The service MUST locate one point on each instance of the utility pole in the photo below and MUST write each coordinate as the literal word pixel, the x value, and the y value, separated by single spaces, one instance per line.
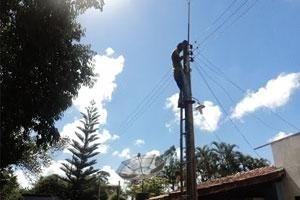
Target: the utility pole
pixel 191 188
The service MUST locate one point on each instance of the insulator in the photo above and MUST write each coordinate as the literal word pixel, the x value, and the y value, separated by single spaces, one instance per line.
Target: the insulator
pixel 191 46
pixel 192 59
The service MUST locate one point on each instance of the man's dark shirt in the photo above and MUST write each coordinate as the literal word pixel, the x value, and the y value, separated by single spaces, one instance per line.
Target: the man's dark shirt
pixel 176 59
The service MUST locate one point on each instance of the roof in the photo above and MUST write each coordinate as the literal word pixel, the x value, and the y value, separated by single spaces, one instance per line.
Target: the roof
pixel 242 179
pixel 252 177
pixel 274 141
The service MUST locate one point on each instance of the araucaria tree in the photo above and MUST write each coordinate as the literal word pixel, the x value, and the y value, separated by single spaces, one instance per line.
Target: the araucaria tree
pixel 80 173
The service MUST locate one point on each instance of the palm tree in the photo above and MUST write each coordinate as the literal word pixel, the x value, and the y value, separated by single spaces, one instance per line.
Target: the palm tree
pixel 249 163
pixel 206 163
pixel 228 159
pixel 223 160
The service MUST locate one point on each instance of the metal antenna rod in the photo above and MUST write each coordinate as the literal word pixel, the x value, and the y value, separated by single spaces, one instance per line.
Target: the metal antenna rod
pixel 189 19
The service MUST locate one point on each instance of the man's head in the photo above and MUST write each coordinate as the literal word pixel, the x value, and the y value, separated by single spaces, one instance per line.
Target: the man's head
pixel 182 45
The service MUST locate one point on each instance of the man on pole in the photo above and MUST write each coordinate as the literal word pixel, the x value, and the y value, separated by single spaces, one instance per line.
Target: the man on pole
pixel 178 71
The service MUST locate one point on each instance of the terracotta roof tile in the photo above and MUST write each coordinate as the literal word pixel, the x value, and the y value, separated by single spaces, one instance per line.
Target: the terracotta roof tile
pixel 252 174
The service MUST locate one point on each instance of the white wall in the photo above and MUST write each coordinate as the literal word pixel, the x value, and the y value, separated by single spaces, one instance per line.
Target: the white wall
pixel 286 153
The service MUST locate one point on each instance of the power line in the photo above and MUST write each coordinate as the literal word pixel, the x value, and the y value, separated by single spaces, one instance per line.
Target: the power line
pixel 144 101
pixel 219 16
pixel 213 67
pixel 233 102
pixel 223 23
pixel 145 104
pixel 209 126
pixel 224 110
pixel 237 18
pixel 240 16
pixel 227 19
pixel 146 107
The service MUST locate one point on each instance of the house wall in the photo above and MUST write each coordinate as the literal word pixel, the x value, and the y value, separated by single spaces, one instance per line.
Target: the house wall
pixel 286 153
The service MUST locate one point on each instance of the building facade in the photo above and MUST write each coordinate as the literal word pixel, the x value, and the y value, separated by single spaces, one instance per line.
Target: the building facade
pixel 286 154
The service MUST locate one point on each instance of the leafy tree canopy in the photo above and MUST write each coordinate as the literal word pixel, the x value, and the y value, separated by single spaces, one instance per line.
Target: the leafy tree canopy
pixel 9 187
pixel 50 185
pixel 154 186
pixel 42 66
pixel 223 159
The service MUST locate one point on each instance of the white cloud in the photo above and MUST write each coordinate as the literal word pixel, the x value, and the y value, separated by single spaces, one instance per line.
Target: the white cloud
pixel 22 179
pixel 125 153
pixel 107 68
pixel 168 125
pixel 114 177
pixel 275 93
pixel 104 136
pixel 53 168
pixel 208 121
pixel 279 136
pixel 139 142
pixel 172 103
pixel 109 51
pixel 154 151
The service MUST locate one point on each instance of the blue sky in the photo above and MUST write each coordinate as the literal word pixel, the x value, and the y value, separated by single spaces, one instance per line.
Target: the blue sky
pixel 252 45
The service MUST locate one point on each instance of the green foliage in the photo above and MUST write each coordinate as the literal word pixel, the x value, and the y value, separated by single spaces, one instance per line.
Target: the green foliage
pixel 154 186
pixel 42 66
pixel 223 160
pixel 206 163
pixel 51 185
pixel 172 168
pixel 9 187
pixel 114 196
pixel 34 158
pixel 80 173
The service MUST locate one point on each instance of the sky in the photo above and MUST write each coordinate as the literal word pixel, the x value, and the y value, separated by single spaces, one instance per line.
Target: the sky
pixel 246 71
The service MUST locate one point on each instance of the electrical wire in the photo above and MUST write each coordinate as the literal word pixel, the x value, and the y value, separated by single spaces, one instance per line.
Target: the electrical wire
pixel 222 24
pixel 240 16
pixel 216 69
pixel 219 16
pixel 144 105
pixel 225 111
pixel 232 101
pixel 144 101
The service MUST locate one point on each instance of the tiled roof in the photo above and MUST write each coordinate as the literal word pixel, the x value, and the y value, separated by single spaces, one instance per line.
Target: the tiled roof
pixel 244 176
pixel 241 179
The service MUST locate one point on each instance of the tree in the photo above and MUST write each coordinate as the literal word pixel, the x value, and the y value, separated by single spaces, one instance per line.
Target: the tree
pixel 80 173
pixel 51 185
pixel 228 159
pixel 34 158
pixel 153 186
pixel 9 187
pixel 171 169
pixel 114 196
pixel 42 66
pixel 206 163
pixel 223 160
pixel 249 163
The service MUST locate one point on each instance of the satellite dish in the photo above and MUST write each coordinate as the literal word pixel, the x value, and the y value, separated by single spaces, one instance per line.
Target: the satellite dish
pixel 141 167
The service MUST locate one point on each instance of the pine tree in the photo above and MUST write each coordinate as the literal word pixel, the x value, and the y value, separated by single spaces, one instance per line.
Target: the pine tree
pixel 80 173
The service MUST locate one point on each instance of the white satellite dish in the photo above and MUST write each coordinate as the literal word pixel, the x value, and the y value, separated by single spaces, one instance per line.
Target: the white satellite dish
pixel 141 167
